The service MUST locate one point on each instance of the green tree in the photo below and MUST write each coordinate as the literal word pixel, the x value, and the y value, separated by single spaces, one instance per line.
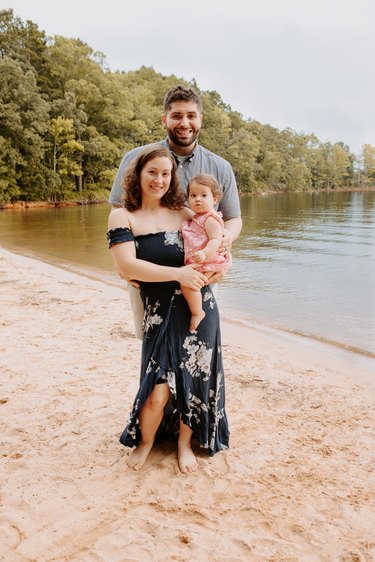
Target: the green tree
pixel 8 162
pixel 24 121
pixel 100 158
pixel 217 124
pixel 25 43
pixel 242 151
pixel 269 169
pixel 66 120
pixel 65 152
pixel 341 165
pixel 69 59
pixel 368 164
pixel 294 152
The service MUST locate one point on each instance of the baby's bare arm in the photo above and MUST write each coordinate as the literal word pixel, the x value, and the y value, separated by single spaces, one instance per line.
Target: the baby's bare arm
pixel 215 233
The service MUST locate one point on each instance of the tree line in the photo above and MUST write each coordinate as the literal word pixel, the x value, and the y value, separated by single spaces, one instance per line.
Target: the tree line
pixel 66 120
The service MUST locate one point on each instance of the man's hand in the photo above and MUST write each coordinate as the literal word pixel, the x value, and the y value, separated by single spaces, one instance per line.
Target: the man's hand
pixel 215 276
pixel 226 242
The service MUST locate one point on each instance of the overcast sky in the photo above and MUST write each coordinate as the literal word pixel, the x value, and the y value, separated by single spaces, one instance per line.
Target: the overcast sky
pixel 303 64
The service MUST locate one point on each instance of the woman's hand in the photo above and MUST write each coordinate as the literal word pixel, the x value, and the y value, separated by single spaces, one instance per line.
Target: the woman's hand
pixel 188 277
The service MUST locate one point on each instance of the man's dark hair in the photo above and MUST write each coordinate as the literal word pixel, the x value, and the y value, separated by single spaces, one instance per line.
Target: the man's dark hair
pixel 181 93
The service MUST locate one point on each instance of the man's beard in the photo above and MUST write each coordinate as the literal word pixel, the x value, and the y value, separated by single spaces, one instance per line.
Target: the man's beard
pixel 182 142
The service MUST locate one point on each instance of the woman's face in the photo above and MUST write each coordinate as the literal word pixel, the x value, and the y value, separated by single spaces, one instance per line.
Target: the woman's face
pixel 156 177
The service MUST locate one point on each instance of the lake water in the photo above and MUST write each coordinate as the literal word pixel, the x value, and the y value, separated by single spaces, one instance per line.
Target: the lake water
pixel 305 262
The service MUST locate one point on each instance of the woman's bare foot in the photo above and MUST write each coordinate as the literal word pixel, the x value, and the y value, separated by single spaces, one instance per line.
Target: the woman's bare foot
pixel 139 456
pixel 195 320
pixel 186 459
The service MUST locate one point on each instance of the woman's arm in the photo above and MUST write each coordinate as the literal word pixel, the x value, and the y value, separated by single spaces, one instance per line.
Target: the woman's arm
pixel 129 266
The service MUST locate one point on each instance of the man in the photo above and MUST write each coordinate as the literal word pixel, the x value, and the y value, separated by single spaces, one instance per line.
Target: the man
pixel 182 120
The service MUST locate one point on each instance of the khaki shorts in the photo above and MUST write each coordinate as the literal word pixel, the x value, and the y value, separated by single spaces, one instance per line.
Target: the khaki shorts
pixel 138 310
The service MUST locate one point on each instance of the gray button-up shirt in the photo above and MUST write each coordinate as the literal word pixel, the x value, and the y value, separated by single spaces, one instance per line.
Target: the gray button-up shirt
pixel 201 161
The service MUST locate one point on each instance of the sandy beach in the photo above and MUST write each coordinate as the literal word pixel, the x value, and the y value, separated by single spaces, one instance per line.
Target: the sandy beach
pixel 297 484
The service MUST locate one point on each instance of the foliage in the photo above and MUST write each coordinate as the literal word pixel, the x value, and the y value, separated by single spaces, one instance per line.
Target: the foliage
pixel 368 164
pixel 66 121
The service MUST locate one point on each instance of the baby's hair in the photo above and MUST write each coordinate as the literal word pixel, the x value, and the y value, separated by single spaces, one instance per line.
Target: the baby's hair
pixel 209 181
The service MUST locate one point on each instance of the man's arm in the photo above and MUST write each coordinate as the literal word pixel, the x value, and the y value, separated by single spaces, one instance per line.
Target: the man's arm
pixel 115 197
pixel 230 208
pixel 233 229
pixel 229 203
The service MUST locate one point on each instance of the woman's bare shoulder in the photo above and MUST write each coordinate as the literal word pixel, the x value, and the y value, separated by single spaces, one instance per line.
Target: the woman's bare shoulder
pixel 119 218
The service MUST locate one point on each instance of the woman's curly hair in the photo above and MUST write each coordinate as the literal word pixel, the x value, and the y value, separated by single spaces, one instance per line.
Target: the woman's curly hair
pixel 173 198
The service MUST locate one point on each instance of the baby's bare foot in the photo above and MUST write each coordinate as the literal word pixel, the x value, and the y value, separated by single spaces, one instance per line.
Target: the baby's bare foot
pixel 186 459
pixel 138 457
pixel 195 320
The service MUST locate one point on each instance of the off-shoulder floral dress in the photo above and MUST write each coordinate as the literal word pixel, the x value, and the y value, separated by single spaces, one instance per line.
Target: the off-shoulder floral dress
pixel 189 362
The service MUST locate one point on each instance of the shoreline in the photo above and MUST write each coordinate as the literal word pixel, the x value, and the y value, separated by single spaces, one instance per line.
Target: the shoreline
pixel 25 205
pixel 299 468
pixel 272 330
pixel 350 363
pixel 241 326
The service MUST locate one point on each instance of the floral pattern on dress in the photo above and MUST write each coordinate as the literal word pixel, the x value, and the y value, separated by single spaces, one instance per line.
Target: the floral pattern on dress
pixel 134 428
pixel 216 407
pixel 196 407
pixel 189 362
pixel 150 318
pixel 171 380
pixel 209 297
pixel 174 238
pixel 198 360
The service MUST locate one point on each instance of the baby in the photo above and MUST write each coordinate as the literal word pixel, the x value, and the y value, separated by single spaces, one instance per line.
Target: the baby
pixel 202 236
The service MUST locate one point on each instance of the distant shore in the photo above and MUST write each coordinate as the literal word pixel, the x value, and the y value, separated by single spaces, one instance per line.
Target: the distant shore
pixel 296 484
pixel 22 205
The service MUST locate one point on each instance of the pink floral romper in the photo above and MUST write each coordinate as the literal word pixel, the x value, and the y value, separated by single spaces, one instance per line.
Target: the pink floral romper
pixel 195 239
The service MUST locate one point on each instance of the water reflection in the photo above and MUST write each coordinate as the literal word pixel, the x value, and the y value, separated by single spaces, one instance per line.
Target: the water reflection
pixel 304 261
pixel 72 234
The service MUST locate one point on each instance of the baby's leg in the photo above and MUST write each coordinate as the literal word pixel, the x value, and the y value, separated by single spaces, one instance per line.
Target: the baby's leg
pixel 194 300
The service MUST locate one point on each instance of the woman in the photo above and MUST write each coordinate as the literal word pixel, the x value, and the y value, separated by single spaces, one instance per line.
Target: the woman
pixel 182 380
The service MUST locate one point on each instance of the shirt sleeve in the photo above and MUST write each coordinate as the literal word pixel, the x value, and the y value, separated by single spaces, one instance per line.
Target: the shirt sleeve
pixel 229 204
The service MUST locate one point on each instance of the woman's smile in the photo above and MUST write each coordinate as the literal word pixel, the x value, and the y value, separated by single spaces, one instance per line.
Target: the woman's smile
pixel 156 176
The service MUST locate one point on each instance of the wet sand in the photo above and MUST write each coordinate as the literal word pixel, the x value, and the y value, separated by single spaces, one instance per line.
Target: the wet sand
pixel 297 483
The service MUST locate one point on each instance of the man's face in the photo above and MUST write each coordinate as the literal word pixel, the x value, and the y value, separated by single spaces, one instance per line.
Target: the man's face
pixel 183 123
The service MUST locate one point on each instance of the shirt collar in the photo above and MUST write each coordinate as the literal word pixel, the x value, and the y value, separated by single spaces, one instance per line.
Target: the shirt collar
pixel 187 158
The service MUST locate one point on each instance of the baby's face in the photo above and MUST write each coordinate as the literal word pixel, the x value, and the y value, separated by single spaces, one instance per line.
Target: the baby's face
pixel 201 199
